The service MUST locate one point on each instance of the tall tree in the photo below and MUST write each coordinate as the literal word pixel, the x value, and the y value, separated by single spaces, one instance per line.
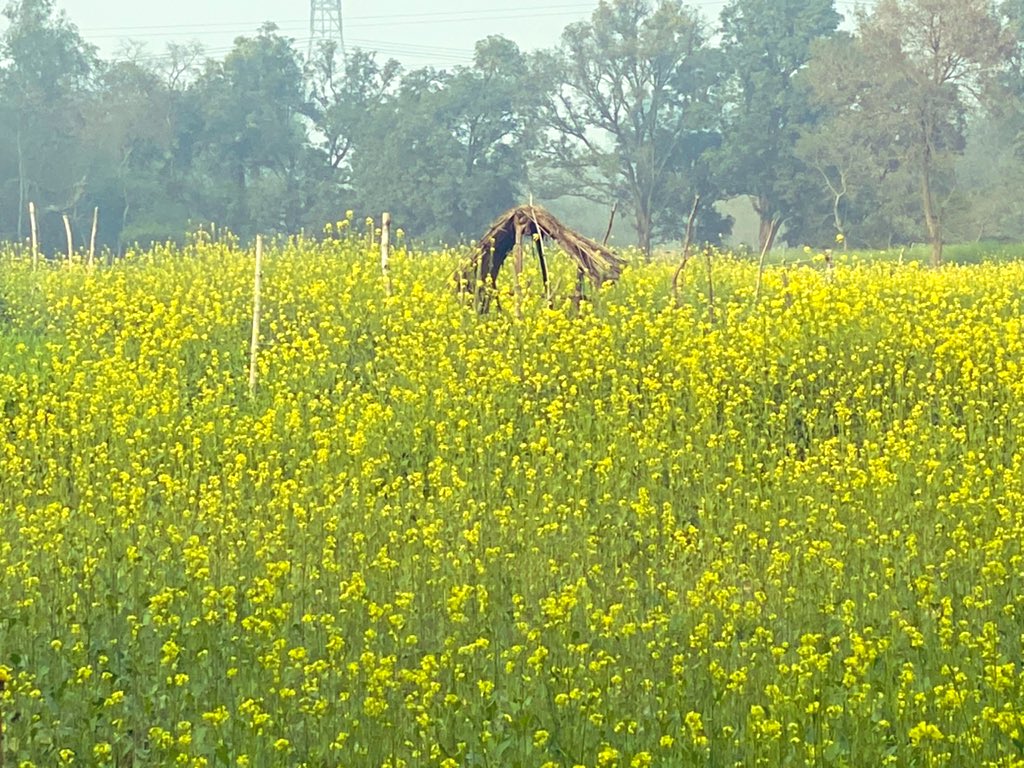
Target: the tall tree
pixel 629 91
pixel 343 94
pixel 345 97
pixel 47 70
pixel 911 77
pixel 128 135
pixel 766 43
pixel 448 150
pixel 253 136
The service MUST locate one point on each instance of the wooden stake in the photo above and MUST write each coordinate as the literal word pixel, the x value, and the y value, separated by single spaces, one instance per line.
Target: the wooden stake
pixel 385 249
pixel 577 297
pixel 686 249
pixel 772 232
pixel 35 235
pixel 67 230
pixel 711 288
pixel 254 348
pixel 518 268
pixel 92 238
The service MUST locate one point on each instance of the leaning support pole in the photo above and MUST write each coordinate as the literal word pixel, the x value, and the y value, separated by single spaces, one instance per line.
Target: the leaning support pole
pixel 611 223
pixel 35 234
pixel 254 348
pixel 539 247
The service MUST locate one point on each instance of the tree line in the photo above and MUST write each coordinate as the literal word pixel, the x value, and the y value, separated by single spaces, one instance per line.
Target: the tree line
pixel 905 127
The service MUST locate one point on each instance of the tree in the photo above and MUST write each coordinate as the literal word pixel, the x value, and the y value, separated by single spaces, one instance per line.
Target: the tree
pixel 990 181
pixel 344 98
pixel 128 135
pixel 47 70
pixel 448 150
pixel 252 136
pixel 913 74
pixel 627 93
pixel 859 195
pixel 766 43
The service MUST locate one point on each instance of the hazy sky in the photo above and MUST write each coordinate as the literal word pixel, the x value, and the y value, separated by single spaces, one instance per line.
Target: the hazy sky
pixel 417 32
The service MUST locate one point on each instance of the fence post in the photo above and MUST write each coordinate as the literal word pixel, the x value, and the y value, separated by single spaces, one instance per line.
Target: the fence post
pixel 71 244
pixel 35 234
pixel 385 249
pixel 256 289
pixel 92 239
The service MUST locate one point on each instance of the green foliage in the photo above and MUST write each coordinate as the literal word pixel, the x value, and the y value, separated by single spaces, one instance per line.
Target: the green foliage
pixel 766 44
pixel 46 68
pixel 447 152
pixel 251 105
pixel 627 103
pixel 904 87
pixel 907 128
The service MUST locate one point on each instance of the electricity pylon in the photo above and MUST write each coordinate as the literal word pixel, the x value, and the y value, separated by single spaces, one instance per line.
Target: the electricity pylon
pixel 325 23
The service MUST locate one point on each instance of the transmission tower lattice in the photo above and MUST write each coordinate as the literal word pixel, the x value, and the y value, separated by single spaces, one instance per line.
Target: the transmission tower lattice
pixel 325 23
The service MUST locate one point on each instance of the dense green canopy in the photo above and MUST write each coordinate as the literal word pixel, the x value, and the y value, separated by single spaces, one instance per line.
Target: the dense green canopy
pixel 903 128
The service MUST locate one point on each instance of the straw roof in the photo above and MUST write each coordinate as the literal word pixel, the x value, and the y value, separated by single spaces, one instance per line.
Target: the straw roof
pixel 594 260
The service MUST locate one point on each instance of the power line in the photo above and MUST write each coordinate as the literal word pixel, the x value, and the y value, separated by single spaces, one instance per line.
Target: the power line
pixel 295 27
pixel 433 17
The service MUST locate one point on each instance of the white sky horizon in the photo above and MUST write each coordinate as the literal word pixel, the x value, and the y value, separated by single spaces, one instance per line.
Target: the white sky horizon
pixel 440 33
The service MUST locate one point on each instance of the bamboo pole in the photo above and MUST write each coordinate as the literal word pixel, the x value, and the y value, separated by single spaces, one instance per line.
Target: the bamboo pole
pixel 67 230
pixel 35 234
pixel 92 238
pixel 578 295
pixel 257 285
pixel 711 287
pixel 385 249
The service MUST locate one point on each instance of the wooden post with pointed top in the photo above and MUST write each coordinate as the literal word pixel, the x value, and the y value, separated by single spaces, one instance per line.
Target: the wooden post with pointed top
pixel 92 238
pixel 71 244
pixel 254 348
pixel 35 234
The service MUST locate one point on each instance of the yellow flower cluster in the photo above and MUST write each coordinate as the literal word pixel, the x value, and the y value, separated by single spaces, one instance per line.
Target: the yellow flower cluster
pixel 788 531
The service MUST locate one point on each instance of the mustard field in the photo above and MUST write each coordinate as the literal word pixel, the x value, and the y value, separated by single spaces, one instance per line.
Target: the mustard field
pixel 782 530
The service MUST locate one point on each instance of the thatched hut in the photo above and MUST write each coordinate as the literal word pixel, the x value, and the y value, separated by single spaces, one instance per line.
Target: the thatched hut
pixel 531 222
